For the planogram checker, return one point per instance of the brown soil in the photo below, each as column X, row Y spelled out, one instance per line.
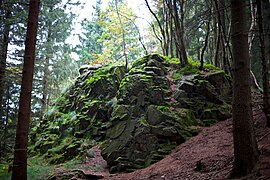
column 208, row 155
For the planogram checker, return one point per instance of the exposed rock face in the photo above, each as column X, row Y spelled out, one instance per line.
column 145, row 124
column 141, row 115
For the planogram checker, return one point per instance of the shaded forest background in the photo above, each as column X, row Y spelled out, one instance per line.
column 199, row 30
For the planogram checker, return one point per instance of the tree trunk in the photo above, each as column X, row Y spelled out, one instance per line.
column 20, row 150
column 163, row 41
column 46, row 75
column 123, row 34
column 181, row 35
column 166, row 17
column 245, row 145
column 220, row 57
column 221, row 6
column 251, row 36
column 4, row 48
column 206, row 40
column 179, row 32
column 46, row 67
column 171, row 29
column 265, row 64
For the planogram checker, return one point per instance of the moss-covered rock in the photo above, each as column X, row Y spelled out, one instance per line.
column 81, row 112
column 138, row 116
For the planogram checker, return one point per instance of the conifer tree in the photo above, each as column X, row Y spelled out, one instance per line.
column 20, row 150
column 245, row 145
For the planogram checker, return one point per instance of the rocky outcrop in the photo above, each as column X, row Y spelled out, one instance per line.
column 80, row 116
column 146, row 124
column 138, row 116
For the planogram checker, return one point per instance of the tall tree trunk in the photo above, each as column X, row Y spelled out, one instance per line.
column 123, row 33
column 4, row 49
column 170, row 32
column 181, row 35
column 220, row 57
column 265, row 64
column 223, row 28
column 166, row 27
column 266, row 23
column 46, row 72
column 245, row 145
column 163, row 41
column 251, row 36
column 20, row 150
column 46, row 66
column 171, row 29
column 206, row 38
column 179, row 32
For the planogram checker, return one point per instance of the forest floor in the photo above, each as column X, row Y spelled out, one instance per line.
column 208, row 155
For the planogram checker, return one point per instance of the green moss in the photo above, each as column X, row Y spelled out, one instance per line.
column 140, row 61
column 193, row 130
column 187, row 117
column 48, row 143
column 189, row 69
column 165, row 109
column 146, row 78
column 137, row 70
column 192, row 68
column 4, row 174
column 72, row 145
column 198, row 64
column 170, row 60
column 38, row 169
column 93, row 79
column 57, row 159
column 166, row 148
column 209, row 122
column 117, row 130
column 143, row 120
column 119, row 111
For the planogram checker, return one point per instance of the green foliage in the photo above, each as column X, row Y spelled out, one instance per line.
column 112, row 36
column 54, row 28
column 37, row 169
column 4, row 174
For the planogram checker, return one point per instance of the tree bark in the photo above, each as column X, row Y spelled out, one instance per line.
column 123, row 33
column 181, row 35
column 179, row 32
column 251, row 36
column 265, row 64
column 206, row 37
column 163, row 41
column 4, row 49
column 205, row 41
column 46, row 67
column 245, row 145
column 20, row 150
